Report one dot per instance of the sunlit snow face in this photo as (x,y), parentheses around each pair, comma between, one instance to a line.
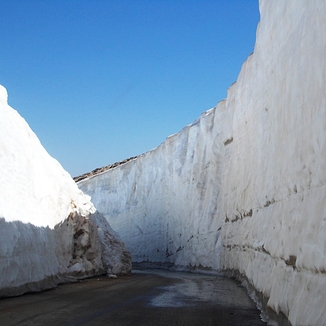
(3,94)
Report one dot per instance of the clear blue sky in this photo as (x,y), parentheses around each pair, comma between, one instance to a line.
(100,81)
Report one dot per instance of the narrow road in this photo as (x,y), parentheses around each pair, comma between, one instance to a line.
(145,298)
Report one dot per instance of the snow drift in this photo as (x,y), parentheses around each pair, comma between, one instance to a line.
(50,231)
(243,188)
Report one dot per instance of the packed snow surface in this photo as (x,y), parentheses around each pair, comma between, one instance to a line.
(50,231)
(243,188)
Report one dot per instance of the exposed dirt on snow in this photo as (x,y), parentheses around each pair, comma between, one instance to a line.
(102,169)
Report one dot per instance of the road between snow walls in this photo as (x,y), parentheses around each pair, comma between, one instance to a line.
(243,188)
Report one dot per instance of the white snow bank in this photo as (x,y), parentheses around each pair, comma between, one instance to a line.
(32,182)
(49,230)
(244,187)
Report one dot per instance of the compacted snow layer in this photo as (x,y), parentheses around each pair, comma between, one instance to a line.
(50,231)
(164,203)
(244,187)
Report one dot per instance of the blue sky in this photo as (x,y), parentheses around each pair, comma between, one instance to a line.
(100,81)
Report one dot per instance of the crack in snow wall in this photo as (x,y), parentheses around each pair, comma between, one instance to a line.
(243,188)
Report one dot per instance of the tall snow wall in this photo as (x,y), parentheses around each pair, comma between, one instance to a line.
(243,188)
(50,232)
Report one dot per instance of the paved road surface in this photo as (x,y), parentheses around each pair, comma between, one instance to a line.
(145,298)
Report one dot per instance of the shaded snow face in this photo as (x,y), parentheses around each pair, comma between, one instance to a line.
(165,203)
(34,258)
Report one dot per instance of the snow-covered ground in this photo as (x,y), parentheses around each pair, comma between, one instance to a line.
(244,187)
(49,230)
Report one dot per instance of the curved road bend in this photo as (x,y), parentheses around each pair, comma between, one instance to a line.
(145,298)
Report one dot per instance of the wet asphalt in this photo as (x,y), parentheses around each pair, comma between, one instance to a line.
(145,298)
